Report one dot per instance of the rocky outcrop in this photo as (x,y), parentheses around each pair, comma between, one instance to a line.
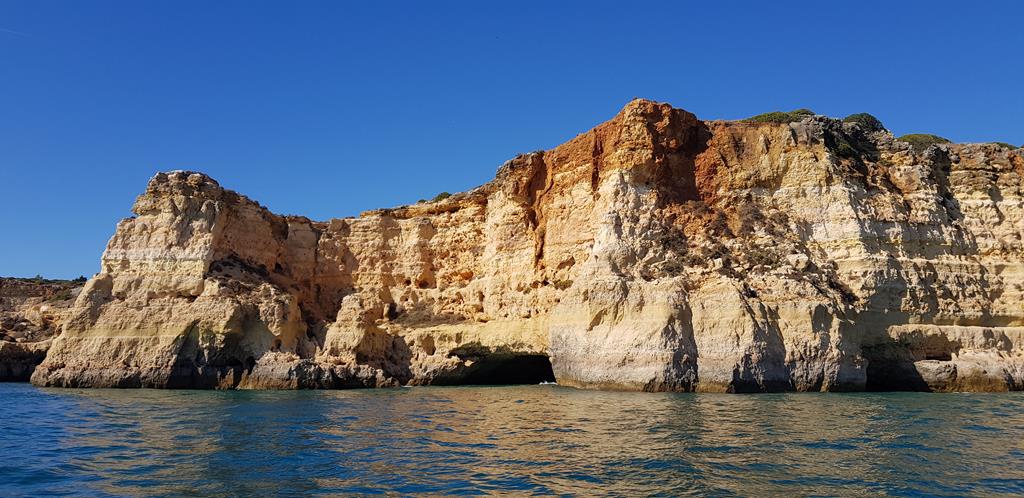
(31,312)
(655,252)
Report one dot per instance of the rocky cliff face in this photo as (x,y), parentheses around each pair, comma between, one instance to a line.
(31,312)
(654,252)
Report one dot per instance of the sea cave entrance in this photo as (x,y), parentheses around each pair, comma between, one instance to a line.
(507,370)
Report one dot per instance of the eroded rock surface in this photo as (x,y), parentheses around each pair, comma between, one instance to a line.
(655,252)
(31,312)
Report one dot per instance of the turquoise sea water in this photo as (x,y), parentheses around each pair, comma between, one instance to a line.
(524,440)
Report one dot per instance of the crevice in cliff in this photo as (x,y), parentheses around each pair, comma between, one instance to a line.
(676,149)
(597,156)
(540,183)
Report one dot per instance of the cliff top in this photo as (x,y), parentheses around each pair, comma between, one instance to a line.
(854,138)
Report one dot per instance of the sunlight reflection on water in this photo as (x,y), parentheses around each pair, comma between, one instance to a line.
(520,440)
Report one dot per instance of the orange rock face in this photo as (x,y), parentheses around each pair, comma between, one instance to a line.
(654,252)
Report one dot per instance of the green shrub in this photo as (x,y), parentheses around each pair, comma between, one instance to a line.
(440,197)
(781,117)
(921,141)
(865,120)
(63,295)
(1005,145)
(846,150)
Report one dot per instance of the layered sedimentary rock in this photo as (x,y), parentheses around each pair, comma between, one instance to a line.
(654,252)
(31,312)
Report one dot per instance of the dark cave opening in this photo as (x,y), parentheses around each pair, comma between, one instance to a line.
(902,366)
(888,375)
(506,370)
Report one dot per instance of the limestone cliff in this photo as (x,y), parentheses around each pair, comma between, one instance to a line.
(31,312)
(654,252)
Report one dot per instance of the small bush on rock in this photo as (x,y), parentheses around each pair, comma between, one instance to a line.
(63,295)
(921,141)
(865,120)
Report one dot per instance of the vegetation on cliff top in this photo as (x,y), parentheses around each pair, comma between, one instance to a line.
(781,117)
(866,121)
(921,141)
(39,279)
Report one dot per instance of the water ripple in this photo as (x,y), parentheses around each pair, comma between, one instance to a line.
(529,440)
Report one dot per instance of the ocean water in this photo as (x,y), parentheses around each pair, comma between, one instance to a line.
(516,440)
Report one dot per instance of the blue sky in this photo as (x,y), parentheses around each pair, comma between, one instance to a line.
(327,109)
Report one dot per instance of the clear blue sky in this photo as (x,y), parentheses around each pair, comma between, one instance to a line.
(329,108)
